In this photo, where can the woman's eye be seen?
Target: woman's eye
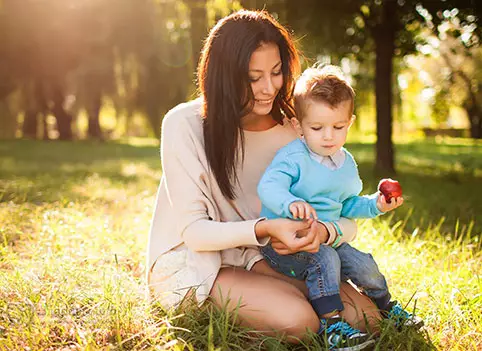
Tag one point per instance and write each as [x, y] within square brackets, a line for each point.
[253, 80]
[339, 128]
[277, 73]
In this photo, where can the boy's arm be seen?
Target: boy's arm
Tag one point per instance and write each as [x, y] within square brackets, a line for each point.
[274, 186]
[361, 207]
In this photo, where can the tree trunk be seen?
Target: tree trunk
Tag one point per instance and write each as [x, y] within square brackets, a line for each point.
[199, 25]
[30, 120]
[64, 119]
[30, 124]
[8, 120]
[475, 118]
[93, 112]
[473, 110]
[45, 128]
[384, 35]
[41, 103]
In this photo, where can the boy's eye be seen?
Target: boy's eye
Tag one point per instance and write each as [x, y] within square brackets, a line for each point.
[339, 127]
[316, 128]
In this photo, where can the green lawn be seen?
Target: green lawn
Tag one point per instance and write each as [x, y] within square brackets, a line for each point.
[74, 219]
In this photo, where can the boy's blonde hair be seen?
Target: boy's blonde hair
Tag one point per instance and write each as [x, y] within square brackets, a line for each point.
[322, 84]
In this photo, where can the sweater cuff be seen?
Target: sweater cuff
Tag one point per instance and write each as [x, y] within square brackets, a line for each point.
[332, 232]
[262, 241]
[375, 208]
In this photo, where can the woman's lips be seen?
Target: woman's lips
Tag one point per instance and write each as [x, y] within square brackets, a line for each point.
[264, 101]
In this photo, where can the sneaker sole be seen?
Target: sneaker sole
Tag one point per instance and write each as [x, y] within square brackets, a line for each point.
[356, 347]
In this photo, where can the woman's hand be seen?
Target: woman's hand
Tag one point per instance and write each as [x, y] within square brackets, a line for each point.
[313, 236]
[286, 231]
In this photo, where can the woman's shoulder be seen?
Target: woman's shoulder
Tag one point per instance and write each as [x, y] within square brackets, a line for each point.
[184, 116]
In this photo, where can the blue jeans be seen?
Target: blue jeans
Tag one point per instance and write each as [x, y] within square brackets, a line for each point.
[324, 270]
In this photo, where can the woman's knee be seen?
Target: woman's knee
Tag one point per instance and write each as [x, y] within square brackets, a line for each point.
[295, 322]
[359, 310]
[273, 307]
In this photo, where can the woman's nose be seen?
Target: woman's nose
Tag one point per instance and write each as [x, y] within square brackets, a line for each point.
[268, 87]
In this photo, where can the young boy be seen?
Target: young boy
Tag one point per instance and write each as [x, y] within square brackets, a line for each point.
[314, 176]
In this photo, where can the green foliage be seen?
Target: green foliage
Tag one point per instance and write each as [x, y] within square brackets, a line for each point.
[136, 53]
[441, 107]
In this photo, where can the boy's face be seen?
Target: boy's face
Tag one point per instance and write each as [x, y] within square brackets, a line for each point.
[325, 128]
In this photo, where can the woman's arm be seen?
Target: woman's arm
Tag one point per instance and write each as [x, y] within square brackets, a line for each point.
[193, 197]
[191, 194]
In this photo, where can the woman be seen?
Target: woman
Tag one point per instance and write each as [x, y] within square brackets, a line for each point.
[206, 228]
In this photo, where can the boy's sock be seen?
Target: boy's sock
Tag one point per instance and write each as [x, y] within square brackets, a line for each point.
[383, 302]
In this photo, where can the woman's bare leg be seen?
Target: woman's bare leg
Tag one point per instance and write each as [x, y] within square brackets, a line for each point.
[263, 267]
[267, 304]
[358, 307]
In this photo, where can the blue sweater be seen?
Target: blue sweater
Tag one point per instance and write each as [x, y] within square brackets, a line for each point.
[294, 176]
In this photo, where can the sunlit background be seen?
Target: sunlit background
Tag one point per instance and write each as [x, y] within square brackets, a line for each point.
[76, 69]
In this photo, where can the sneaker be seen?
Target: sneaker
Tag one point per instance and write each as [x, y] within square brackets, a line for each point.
[402, 318]
[340, 336]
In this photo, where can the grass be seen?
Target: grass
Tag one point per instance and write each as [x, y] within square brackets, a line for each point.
[74, 219]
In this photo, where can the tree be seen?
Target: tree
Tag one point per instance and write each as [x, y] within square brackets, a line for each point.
[361, 28]
[199, 25]
[458, 49]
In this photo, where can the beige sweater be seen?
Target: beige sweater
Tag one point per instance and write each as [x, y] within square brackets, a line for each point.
[193, 216]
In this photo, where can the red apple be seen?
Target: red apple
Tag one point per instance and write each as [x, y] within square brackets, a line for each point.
[390, 188]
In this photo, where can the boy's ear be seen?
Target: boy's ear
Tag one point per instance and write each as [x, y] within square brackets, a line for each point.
[295, 122]
[352, 119]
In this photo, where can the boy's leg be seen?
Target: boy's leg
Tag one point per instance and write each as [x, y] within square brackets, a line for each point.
[320, 271]
[363, 271]
[323, 281]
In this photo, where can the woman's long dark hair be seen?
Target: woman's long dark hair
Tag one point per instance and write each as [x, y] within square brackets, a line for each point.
[225, 88]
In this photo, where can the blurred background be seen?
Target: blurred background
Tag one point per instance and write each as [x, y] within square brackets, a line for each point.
[108, 69]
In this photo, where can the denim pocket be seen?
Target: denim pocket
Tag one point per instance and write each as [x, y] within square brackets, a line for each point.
[291, 265]
[270, 256]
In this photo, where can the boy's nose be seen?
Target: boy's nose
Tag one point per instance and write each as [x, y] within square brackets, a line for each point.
[328, 134]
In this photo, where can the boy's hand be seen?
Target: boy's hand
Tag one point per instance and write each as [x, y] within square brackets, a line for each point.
[302, 210]
[385, 206]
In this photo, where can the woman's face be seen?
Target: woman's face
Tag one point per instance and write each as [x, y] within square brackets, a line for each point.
[265, 76]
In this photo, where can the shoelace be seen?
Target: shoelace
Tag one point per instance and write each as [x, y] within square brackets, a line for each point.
[398, 312]
[343, 328]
